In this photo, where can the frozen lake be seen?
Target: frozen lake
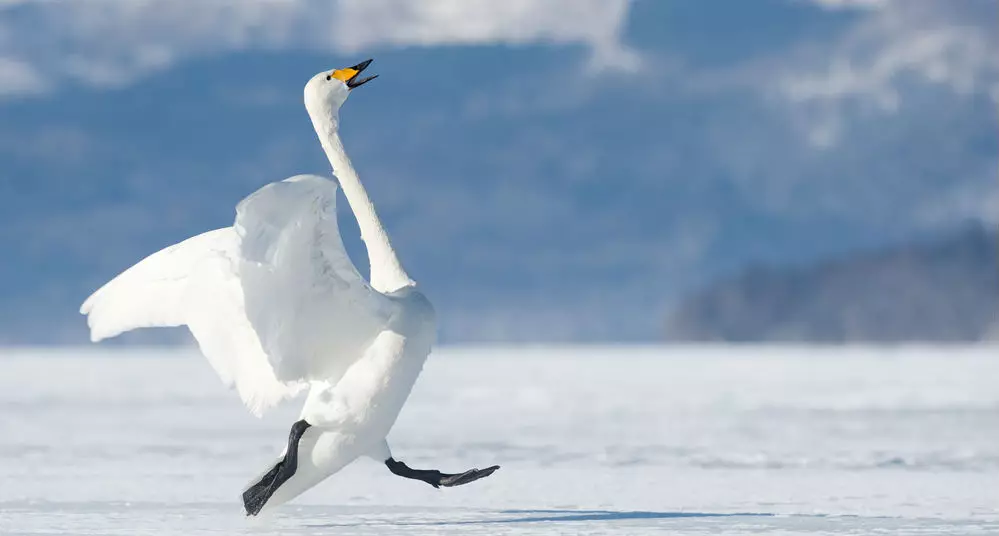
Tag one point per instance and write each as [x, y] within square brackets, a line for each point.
[591, 441]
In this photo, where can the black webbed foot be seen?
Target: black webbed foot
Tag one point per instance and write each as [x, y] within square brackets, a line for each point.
[436, 478]
[471, 475]
[256, 496]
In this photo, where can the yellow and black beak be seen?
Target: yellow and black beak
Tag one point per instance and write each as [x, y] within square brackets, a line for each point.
[349, 75]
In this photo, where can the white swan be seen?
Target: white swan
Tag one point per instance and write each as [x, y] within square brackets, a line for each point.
[276, 305]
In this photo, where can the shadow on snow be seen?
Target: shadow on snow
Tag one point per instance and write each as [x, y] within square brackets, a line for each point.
[542, 516]
[532, 516]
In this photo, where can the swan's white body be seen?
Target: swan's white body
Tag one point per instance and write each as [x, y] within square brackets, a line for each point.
[276, 305]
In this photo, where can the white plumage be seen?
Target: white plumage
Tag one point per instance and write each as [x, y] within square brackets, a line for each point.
[276, 306]
[272, 301]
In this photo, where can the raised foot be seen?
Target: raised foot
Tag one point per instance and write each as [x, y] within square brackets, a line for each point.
[436, 478]
[471, 475]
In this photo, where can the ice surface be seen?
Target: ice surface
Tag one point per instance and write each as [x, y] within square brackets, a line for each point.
[598, 440]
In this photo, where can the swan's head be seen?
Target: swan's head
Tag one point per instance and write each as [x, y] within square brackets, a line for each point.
[328, 90]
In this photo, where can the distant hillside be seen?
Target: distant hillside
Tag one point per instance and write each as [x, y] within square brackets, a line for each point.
[545, 177]
[943, 291]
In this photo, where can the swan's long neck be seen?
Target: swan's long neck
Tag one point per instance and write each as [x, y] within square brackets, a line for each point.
[387, 274]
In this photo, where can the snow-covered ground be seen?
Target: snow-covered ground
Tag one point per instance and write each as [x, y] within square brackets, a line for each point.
[597, 440]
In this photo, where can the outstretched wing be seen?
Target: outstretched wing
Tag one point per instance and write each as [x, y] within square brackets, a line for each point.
[272, 301]
[193, 283]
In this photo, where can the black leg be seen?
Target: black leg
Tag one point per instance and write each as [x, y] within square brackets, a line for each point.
[436, 478]
[256, 496]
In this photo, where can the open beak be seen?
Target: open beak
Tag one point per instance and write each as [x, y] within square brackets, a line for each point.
[349, 75]
[353, 81]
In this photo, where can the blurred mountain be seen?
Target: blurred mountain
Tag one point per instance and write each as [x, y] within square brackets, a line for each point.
[555, 170]
[942, 291]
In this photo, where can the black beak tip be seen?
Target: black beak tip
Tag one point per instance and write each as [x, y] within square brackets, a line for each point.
[363, 65]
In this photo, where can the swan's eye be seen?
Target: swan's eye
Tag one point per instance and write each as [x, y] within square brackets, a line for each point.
[329, 77]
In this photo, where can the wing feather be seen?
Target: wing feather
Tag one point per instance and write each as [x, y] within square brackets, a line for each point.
[273, 301]
[116, 308]
[193, 283]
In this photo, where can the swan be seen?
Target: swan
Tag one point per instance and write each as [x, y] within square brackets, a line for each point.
[277, 307]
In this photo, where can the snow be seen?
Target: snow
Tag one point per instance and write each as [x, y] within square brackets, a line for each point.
[734, 440]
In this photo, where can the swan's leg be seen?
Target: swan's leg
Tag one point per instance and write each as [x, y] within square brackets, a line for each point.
[436, 478]
[256, 496]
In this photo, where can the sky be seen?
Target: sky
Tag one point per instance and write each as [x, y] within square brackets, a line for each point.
[549, 171]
